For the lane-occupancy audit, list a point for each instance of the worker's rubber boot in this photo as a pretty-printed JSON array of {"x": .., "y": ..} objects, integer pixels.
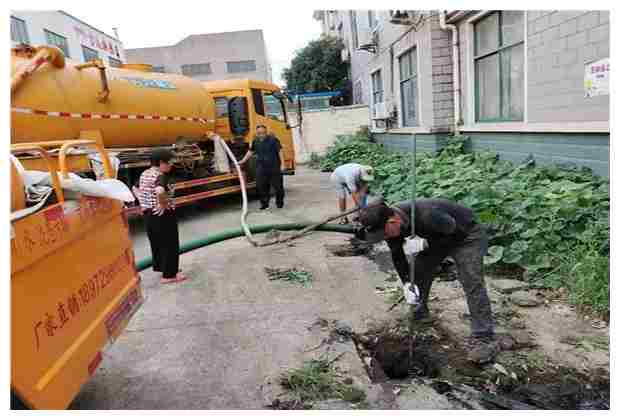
[{"x": 481, "y": 349}]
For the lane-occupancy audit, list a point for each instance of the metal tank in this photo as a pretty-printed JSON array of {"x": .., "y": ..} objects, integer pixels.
[{"x": 130, "y": 106}]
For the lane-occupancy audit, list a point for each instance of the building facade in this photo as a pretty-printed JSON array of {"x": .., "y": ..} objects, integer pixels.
[
  {"x": 523, "y": 83},
  {"x": 227, "y": 55},
  {"x": 79, "y": 41}
]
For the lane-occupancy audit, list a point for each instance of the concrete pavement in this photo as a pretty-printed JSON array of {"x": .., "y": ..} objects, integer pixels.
[{"x": 210, "y": 342}]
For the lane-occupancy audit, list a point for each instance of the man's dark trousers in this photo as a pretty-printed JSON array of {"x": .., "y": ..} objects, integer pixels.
[
  {"x": 468, "y": 256},
  {"x": 267, "y": 177}
]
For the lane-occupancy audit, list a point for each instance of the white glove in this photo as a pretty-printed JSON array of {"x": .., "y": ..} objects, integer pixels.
[
  {"x": 411, "y": 296},
  {"x": 415, "y": 245}
]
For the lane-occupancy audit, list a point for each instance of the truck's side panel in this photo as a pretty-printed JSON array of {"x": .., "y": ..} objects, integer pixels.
[{"x": 73, "y": 288}]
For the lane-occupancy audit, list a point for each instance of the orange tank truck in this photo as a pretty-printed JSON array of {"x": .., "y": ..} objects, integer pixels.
[{"x": 132, "y": 110}]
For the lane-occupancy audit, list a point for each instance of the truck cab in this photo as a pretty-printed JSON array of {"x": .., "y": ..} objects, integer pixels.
[{"x": 242, "y": 104}]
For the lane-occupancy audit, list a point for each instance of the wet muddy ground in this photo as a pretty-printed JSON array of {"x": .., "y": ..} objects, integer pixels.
[{"x": 522, "y": 375}]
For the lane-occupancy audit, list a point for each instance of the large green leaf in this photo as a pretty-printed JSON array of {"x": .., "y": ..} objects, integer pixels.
[{"x": 496, "y": 253}]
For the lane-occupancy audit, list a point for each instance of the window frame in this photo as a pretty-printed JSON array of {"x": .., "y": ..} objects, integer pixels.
[
  {"x": 243, "y": 70},
  {"x": 90, "y": 50},
  {"x": 259, "y": 105},
  {"x": 49, "y": 33},
  {"x": 376, "y": 88},
  {"x": 497, "y": 51},
  {"x": 25, "y": 27},
  {"x": 282, "y": 107},
  {"x": 413, "y": 78},
  {"x": 191, "y": 73}
]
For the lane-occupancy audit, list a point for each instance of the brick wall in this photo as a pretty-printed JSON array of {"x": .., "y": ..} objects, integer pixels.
[{"x": 559, "y": 45}]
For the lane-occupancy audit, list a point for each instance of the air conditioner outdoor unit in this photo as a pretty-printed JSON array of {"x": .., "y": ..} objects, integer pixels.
[
  {"x": 404, "y": 17},
  {"x": 380, "y": 111}
]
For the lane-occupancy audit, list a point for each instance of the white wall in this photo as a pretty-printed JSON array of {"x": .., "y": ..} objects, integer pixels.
[
  {"x": 320, "y": 128},
  {"x": 64, "y": 25}
]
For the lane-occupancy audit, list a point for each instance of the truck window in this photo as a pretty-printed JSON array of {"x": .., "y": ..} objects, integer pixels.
[
  {"x": 221, "y": 107},
  {"x": 259, "y": 106},
  {"x": 274, "y": 107}
]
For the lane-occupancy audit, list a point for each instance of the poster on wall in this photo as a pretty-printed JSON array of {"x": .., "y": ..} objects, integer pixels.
[
  {"x": 94, "y": 40},
  {"x": 596, "y": 79}
]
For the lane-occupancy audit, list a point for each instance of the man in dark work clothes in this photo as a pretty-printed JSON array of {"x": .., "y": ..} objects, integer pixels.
[
  {"x": 269, "y": 163},
  {"x": 449, "y": 230}
]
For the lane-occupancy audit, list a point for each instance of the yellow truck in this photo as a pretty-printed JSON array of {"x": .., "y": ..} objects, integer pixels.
[
  {"x": 74, "y": 285},
  {"x": 132, "y": 110}
]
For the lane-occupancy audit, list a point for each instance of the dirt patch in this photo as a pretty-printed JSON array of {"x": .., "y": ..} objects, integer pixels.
[
  {"x": 352, "y": 249},
  {"x": 517, "y": 379}
]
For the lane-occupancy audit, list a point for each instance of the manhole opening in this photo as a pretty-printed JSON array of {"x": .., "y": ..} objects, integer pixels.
[{"x": 442, "y": 364}]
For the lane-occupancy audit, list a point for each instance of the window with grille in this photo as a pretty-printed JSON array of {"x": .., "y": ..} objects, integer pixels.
[
  {"x": 354, "y": 35},
  {"x": 241, "y": 66},
  {"x": 499, "y": 58},
  {"x": 196, "y": 69},
  {"x": 89, "y": 54},
  {"x": 58, "y": 41},
  {"x": 409, "y": 87},
  {"x": 19, "y": 33}
]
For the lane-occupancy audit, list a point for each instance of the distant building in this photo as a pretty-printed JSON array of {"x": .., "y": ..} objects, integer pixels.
[
  {"x": 527, "y": 82},
  {"x": 79, "y": 41},
  {"x": 217, "y": 56}
]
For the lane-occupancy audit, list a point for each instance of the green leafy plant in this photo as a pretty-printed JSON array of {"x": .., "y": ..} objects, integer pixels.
[
  {"x": 318, "y": 380},
  {"x": 549, "y": 221},
  {"x": 290, "y": 275}
]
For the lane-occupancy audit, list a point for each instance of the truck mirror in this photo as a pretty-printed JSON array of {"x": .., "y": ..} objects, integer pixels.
[{"x": 238, "y": 116}]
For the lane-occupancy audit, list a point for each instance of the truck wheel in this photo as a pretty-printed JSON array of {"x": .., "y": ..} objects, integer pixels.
[{"x": 17, "y": 403}]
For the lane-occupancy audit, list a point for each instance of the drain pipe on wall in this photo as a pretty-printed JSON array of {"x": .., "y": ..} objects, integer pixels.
[{"x": 456, "y": 72}]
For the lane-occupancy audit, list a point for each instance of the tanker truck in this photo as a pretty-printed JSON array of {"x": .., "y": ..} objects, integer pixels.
[{"x": 133, "y": 110}]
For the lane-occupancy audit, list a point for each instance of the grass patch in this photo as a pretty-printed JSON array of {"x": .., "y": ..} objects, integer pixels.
[
  {"x": 550, "y": 223},
  {"x": 318, "y": 380},
  {"x": 290, "y": 275}
]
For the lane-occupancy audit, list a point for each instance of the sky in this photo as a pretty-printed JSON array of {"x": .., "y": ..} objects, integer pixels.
[{"x": 153, "y": 26}]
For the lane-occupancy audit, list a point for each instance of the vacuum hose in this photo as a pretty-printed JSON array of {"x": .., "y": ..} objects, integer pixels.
[
  {"x": 234, "y": 233},
  {"x": 244, "y": 194}
]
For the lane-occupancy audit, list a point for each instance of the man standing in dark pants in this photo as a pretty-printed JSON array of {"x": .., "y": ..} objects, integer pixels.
[
  {"x": 269, "y": 163},
  {"x": 155, "y": 194},
  {"x": 449, "y": 229}
]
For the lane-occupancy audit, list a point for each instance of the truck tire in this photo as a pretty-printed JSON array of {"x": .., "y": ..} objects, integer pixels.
[{"x": 17, "y": 403}]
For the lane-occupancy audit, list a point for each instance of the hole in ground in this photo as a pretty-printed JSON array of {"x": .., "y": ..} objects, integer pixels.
[{"x": 442, "y": 363}]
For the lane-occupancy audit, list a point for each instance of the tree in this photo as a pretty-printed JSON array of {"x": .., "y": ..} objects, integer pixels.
[{"x": 317, "y": 67}]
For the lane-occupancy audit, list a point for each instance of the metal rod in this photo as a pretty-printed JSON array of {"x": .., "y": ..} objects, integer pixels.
[{"x": 412, "y": 260}]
